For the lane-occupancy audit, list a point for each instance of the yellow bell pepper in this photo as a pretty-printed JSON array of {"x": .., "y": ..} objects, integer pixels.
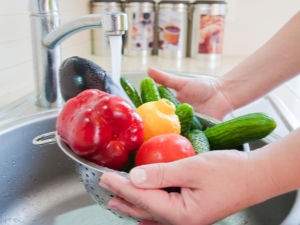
[{"x": 159, "y": 118}]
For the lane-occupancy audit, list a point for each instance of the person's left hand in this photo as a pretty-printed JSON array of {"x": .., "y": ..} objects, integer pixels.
[{"x": 213, "y": 185}]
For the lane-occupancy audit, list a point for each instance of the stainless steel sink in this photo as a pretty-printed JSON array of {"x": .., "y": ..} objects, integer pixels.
[{"x": 39, "y": 185}]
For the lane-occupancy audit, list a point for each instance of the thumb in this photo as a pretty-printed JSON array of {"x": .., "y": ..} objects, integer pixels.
[
  {"x": 161, "y": 175},
  {"x": 166, "y": 79}
]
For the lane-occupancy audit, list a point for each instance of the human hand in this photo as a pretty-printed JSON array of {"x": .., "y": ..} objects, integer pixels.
[
  {"x": 213, "y": 185},
  {"x": 205, "y": 95}
]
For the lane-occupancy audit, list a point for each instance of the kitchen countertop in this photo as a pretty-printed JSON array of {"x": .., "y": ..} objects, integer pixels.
[{"x": 186, "y": 65}]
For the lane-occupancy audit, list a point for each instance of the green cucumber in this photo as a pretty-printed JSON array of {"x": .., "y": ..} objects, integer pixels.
[
  {"x": 131, "y": 92},
  {"x": 185, "y": 113},
  {"x": 167, "y": 94},
  {"x": 240, "y": 130},
  {"x": 149, "y": 90},
  {"x": 196, "y": 124},
  {"x": 198, "y": 140}
]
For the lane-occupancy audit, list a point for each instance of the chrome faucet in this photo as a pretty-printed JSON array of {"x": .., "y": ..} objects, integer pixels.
[{"x": 47, "y": 34}]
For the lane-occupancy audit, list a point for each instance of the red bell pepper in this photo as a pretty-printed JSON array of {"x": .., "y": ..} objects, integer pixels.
[{"x": 100, "y": 127}]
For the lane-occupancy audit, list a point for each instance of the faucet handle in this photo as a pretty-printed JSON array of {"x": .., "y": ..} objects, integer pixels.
[{"x": 114, "y": 23}]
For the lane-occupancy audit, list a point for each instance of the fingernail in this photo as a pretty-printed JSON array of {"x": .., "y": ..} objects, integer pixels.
[
  {"x": 114, "y": 206},
  {"x": 103, "y": 185},
  {"x": 138, "y": 176}
]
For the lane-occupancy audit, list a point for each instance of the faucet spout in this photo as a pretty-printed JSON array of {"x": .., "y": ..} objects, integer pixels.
[
  {"x": 46, "y": 36},
  {"x": 112, "y": 23}
]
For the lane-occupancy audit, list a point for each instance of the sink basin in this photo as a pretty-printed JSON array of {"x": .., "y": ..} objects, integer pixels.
[{"x": 39, "y": 185}]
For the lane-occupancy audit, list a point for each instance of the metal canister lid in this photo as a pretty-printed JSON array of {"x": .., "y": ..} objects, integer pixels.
[
  {"x": 211, "y": 6},
  {"x": 150, "y": 1},
  {"x": 209, "y": 2},
  {"x": 174, "y": 2},
  {"x": 118, "y": 1}
]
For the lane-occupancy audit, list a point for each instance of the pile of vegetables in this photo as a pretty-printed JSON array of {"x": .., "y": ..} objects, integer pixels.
[
  {"x": 151, "y": 94},
  {"x": 107, "y": 130}
]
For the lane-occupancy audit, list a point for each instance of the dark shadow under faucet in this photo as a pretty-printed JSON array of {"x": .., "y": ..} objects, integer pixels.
[{"x": 47, "y": 34}]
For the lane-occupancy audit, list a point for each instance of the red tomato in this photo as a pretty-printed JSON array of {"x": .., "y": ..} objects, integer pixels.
[{"x": 164, "y": 148}]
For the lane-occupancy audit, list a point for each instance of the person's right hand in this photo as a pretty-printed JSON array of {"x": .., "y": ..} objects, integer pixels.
[{"x": 205, "y": 95}]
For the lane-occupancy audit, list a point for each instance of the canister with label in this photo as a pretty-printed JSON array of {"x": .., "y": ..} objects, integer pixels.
[
  {"x": 100, "y": 40},
  {"x": 208, "y": 29},
  {"x": 172, "y": 28},
  {"x": 139, "y": 38}
]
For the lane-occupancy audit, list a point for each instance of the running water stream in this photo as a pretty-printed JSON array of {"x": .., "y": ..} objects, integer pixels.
[{"x": 116, "y": 54}]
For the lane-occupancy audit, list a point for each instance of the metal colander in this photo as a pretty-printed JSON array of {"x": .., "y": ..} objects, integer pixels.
[{"x": 90, "y": 173}]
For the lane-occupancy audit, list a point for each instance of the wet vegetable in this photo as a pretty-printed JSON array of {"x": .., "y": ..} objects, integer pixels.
[
  {"x": 100, "y": 127},
  {"x": 78, "y": 74},
  {"x": 159, "y": 118},
  {"x": 164, "y": 148}
]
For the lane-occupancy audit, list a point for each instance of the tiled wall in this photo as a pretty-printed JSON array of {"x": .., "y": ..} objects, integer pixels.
[{"x": 15, "y": 44}]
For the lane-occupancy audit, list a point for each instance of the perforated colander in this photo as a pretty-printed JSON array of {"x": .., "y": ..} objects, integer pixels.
[{"x": 90, "y": 173}]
